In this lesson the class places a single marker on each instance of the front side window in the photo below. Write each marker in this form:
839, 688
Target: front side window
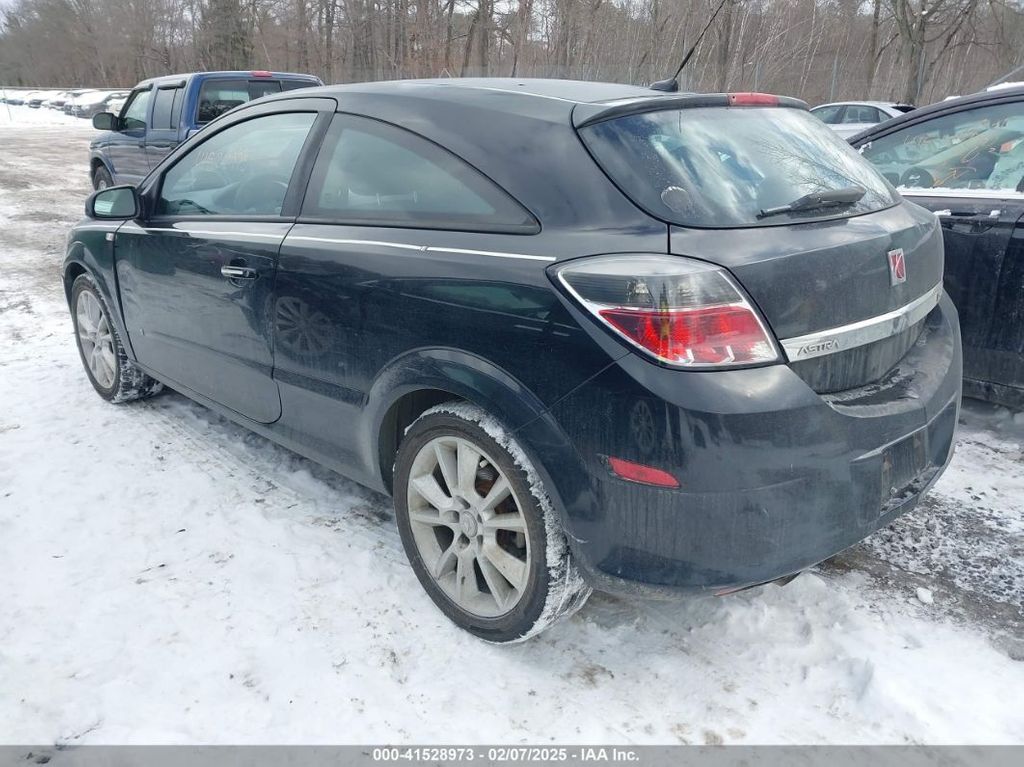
374, 173
134, 117
980, 149
720, 167
243, 170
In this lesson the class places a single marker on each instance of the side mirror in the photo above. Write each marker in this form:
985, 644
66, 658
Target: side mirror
115, 202
104, 121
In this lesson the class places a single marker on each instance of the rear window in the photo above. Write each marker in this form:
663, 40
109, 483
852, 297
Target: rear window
719, 167
221, 95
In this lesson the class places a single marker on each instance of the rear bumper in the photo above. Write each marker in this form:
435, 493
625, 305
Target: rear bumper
773, 477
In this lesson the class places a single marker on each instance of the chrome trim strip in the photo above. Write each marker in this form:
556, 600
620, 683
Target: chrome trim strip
372, 243
379, 244
867, 331
433, 249
215, 233
422, 248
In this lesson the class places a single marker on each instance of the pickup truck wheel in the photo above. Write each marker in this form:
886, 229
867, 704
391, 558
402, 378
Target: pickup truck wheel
479, 529
101, 178
114, 377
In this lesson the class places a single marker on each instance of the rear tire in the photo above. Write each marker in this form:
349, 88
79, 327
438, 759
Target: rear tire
101, 178
479, 529
114, 377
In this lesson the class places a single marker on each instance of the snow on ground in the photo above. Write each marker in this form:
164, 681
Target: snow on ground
168, 577
22, 116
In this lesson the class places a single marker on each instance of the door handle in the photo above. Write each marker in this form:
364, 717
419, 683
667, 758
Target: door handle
991, 216
238, 273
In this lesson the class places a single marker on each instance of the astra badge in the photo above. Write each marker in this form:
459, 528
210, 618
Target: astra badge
897, 267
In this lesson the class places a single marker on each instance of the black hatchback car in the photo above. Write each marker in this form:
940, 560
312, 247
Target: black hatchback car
963, 159
587, 335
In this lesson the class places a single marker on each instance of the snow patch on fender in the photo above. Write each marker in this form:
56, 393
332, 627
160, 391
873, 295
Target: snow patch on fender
567, 591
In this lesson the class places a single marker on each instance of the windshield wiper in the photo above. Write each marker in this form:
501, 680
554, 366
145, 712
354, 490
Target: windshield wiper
827, 199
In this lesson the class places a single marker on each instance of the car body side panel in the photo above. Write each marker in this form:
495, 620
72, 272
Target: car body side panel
976, 243
191, 324
352, 306
995, 371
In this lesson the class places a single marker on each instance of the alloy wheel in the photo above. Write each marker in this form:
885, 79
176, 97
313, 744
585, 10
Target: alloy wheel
468, 526
96, 339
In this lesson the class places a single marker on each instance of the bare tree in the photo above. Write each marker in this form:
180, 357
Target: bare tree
916, 50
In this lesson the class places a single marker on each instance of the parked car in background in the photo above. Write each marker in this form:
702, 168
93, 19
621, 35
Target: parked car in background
57, 100
35, 101
1004, 86
24, 98
87, 105
586, 334
75, 95
850, 117
117, 103
162, 112
964, 161
13, 96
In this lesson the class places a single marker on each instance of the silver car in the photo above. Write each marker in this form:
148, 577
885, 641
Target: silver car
848, 118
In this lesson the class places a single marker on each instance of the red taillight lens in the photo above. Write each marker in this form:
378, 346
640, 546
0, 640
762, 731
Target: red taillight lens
261, 73
680, 311
713, 336
753, 99
637, 472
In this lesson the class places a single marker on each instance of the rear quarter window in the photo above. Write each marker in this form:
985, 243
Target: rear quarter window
719, 167
378, 174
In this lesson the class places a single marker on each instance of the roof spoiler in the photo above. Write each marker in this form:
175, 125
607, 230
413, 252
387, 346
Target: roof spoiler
588, 114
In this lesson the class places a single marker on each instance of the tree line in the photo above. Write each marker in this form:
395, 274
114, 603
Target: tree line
903, 50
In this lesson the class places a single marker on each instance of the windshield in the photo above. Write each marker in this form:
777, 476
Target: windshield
720, 167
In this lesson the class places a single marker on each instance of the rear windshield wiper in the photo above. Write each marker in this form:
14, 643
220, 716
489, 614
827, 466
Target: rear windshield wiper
827, 199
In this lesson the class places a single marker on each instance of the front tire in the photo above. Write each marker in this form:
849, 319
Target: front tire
101, 178
478, 527
112, 374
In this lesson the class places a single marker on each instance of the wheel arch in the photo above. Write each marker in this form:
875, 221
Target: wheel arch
80, 260
72, 271
420, 380
97, 161
424, 378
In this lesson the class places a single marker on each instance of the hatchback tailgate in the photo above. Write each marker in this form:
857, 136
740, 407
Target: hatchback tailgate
813, 277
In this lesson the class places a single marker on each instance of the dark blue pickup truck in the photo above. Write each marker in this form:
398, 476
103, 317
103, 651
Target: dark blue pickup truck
162, 112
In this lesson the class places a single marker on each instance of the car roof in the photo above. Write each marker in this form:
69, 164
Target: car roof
548, 100
247, 74
571, 91
1002, 95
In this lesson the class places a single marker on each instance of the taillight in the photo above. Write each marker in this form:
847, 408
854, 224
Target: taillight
261, 73
682, 312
